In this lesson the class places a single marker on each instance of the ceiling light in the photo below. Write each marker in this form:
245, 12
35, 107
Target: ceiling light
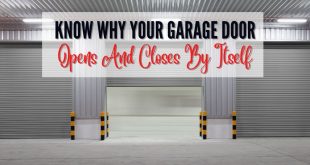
37, 20
166, 20
282, 20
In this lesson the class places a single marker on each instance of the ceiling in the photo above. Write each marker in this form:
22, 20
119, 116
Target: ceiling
12, 11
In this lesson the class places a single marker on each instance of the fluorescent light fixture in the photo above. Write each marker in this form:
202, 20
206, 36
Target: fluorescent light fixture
166, 19
37, 20
291, 20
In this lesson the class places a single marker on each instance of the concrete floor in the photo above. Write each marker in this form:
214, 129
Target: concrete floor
157, 151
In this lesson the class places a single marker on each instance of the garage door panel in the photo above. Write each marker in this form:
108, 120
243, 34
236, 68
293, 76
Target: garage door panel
31, 106
154, 82
279, 103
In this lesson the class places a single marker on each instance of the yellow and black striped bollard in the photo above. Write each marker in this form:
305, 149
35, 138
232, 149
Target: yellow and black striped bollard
102, 126
204, 125
200, 124
234, 125
72, 125
108, 125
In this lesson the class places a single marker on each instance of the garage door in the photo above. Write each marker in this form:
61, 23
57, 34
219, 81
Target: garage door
154, 112
159, 82
31, 106
279, 103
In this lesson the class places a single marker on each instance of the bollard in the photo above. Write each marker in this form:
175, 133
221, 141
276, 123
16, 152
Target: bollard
108, 125
72, 125
234, 125
204, 125
102, 126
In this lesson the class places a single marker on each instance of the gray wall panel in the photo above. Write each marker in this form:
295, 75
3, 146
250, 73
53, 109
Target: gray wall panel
279, 103
31, 106
89, 97
218, 97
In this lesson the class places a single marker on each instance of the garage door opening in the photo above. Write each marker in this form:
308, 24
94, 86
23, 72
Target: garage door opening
168, 113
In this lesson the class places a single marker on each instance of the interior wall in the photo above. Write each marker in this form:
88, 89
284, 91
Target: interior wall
219, 97
89, 97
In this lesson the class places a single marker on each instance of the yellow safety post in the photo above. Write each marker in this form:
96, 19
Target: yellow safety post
234, 125
102, 126
72, 125
204, 125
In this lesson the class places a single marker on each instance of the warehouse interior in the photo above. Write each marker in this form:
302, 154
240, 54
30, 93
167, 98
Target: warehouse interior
156, 120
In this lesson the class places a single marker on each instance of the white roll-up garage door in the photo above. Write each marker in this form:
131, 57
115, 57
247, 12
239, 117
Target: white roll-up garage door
154, 82
279, 103
31, 106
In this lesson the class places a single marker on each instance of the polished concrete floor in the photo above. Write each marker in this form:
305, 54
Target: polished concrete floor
157, 151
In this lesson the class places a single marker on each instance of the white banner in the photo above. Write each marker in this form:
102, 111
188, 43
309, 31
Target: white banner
152, 44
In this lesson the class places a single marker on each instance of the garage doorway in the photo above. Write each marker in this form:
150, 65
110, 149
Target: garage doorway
154, 113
